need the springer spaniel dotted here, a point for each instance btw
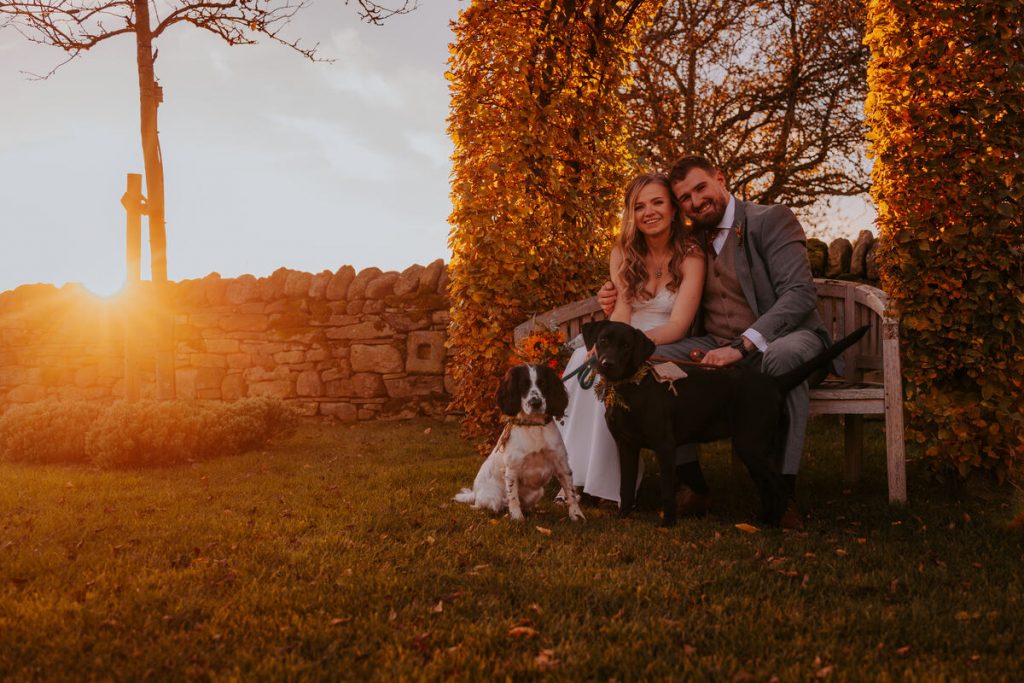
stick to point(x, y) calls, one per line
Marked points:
point(530, 450)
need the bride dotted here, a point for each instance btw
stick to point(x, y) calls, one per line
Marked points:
point(660, 269)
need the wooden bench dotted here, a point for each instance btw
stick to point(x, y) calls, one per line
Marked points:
point(871, 383)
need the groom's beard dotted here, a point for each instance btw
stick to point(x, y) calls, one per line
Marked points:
point(712, 219)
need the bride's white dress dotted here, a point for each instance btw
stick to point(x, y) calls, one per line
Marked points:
point(593, 456)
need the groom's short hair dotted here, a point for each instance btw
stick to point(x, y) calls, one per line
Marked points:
point(682, 168)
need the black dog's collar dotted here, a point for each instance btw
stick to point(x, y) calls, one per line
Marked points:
point(605, 388)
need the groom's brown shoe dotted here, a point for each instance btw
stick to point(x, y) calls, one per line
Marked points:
point(791, 518)
point(689, 503)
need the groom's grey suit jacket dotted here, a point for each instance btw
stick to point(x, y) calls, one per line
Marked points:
point(773, 271)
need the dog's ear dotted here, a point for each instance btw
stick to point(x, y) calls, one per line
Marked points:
point(591, 331)
point(643, 347)
point(554, 391)
point(509, 399)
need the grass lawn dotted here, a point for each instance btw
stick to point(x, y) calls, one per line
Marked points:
point(338, 555)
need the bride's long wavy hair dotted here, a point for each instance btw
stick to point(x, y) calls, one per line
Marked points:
point(633, 245)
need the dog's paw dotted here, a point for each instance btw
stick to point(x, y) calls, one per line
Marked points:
point(577, 515)
point(516, 516)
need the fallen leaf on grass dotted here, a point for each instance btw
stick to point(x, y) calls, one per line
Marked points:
point(338, 621)
point(840, 552)
point(546, 532)
point(967, 616)
point(689, 650)
point(1017, 522)
point(902, 651)
point(545, 660)
point(522, 632)
point(747, 528)
point(534, 607)
point(824, 672)
point(438, 608)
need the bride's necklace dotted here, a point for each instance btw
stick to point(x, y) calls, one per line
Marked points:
point(660, 269)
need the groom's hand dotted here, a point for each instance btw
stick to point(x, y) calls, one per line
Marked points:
point(607, 296)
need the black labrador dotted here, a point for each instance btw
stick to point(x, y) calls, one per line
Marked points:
point(708, 404)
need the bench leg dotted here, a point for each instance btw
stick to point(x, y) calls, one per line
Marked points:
point(895, 455)
point(854, 442)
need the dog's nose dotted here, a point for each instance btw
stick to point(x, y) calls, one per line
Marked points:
point(535, 403)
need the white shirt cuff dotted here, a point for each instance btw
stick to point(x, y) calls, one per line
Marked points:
point(756, 339)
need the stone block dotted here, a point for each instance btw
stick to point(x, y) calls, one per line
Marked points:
point(221, 345)
point(207, 360)
point(286, 357)
point(209, 378)
point(425, 352)
point(839, 254)
point(421, 385)
point(296, 284)
point(337, 288)
point(281, 388)
point(318, 286)
point(242, 322)
point(345, 412)
point(361, 331)
point(431, 276)
point(308, 383)
point(409, 280)
point(238, 361)
point(357, 290)
point(382, 286)
point(858, 259)
point(185, 383)
point(376, 358)
point(242, 289)
point(406, 321)
point(233, 387)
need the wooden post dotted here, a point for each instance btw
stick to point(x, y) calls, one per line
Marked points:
point(132, 202)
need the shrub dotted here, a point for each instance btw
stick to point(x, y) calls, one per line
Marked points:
point(47, 431)
point(946, 111)
point(140, 434)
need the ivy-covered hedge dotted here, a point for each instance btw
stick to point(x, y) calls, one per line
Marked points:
point(540, 161)
point(946, 112)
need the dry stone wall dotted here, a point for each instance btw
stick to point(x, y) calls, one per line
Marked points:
point(341, 345)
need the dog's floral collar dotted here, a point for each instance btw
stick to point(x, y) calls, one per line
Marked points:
point(518, 421)
point(606, 393)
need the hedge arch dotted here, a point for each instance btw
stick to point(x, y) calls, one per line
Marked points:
point(539, 165)
point(946, 112)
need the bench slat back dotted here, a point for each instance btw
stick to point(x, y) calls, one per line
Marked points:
point(844, 306)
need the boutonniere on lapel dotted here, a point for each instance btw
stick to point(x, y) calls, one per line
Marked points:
point(739, 235)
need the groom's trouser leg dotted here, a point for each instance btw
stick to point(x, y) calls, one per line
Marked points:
point(680, 350)
point(784, 354)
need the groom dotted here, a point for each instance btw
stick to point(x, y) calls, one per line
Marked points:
point(758, 306)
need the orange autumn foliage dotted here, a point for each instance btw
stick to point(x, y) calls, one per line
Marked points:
point(540, 159)
point(946, 112)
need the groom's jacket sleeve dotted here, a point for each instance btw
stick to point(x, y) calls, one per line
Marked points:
point(784, 286)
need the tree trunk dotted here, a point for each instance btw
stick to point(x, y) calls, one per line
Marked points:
point(150, 96)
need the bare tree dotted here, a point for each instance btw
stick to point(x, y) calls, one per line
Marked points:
point(772, 90)
point(76, 26)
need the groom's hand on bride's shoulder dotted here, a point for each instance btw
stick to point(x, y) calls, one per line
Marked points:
point(607, 296)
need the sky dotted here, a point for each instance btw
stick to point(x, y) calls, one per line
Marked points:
point(270, 160)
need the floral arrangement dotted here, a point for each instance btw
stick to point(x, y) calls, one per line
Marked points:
point(544, 346)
